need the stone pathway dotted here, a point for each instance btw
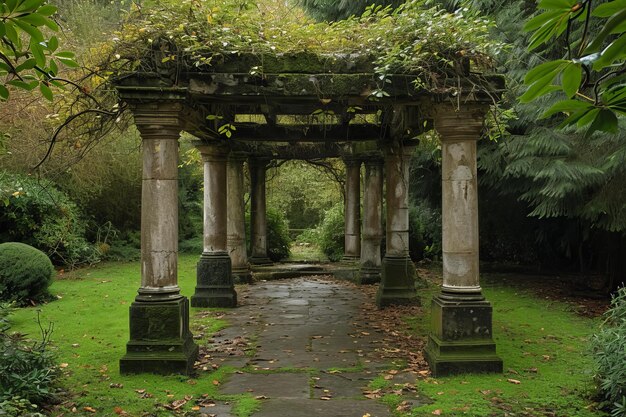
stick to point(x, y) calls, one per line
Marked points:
point(303, 349)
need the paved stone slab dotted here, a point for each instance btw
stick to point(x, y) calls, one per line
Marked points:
point(320, 408)
point(283, 385)
point(217, 409)
point(342, 385)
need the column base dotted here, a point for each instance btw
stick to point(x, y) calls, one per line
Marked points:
point(260, 260)
point(368, 275)
point(215, 287)
point(397, 284)
point(160, 340)
point(461, 336)
point(242, 275)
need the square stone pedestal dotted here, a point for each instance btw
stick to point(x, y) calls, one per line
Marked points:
point(160, 340)
point(368, 274)
point(215, 286)
point(461, 337)
point(397, 284)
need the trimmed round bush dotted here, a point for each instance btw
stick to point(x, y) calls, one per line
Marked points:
point(25, 272)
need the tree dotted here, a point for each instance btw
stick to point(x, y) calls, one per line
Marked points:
point(29, 58)
point(593, 73)
point(332, 10)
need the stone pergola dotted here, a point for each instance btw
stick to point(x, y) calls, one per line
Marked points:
point(305, 107)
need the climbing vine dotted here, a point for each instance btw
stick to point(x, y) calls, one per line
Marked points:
point(416, 38)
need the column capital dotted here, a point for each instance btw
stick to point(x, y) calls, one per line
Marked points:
point(212, 150)
point(238, 156)
point(459, 124)
point(352, 160)
point(158, 118)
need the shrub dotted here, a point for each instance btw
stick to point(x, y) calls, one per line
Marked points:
point(424, 232)
point(609, 348)
point(38, 214)
point(27, 370)
point(278, 240)
point(330, 234)
point(25, 272)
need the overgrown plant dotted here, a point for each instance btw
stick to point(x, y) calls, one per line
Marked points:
point(27, 368)
point(609, 348)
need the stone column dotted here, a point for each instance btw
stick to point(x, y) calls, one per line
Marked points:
point(160, 341)
point(372, 221)
point(258, 215)
point(214, 286)
point(461, 335)
point(352, 210)
point(398, 278)
point(236, 225)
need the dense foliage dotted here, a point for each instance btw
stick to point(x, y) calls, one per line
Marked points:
point(36, 213)
point(25, 273)
point(278, 240)
point(29, 58)
point(27, 370)
point(413, 38)
point(609, 348)
point(330, 233)
point(332, 10)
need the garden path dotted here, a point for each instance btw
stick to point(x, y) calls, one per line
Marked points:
point(304, 350)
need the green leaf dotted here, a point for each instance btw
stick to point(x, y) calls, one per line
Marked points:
point(11, 5)
point(26, 65)
point(4, 93)
point(557, 4)
point(11, 33)
point(538, 89)
point(34, 33)
point(605, 121)
point(23, 85)
point(615, 21)
point(34, 19)
point(588, 117)
point(538, 21)
point(609, 9)
point(53, 67)
point(45, 91)
point(47, 10)
point(615, 51)
point(566, 106)
point(2, 29)
point(572, 76)
point(65, 55)
point(545, 69)
point(37, 51)
point(53, 44)
point(29, 5)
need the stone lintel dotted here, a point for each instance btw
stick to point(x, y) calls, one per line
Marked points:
point(459, 123)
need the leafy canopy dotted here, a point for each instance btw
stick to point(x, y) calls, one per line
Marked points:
point(29, 57)
point(414, 38)
point(592, 76)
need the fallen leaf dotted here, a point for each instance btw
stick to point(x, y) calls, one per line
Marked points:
point(514, 381)
point(89, 409)
point(437, 412)
point(216, 382)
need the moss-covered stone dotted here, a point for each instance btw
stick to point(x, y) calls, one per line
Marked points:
point(215, 286)
point(397, 285)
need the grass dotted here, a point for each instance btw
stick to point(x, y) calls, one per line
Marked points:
point(91, 331)
point(543, 344)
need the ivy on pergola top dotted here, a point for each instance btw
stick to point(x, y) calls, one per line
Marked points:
point(263, 71)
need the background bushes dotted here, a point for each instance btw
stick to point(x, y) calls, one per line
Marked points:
point(609, 348)
point(36, 213)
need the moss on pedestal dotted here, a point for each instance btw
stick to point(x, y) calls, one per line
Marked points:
point(215, 286)
point(397, 285)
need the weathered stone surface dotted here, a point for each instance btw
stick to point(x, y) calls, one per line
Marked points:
point(160, 341)
point(372, 222)
point(318, 408)
point(283, 385)
point(236, 236)
point(461, 335)
point(258, 215)
point(397, 285)
point(352, 210)
point(215, 287)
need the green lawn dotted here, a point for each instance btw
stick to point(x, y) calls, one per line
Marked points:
point(543, 344)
